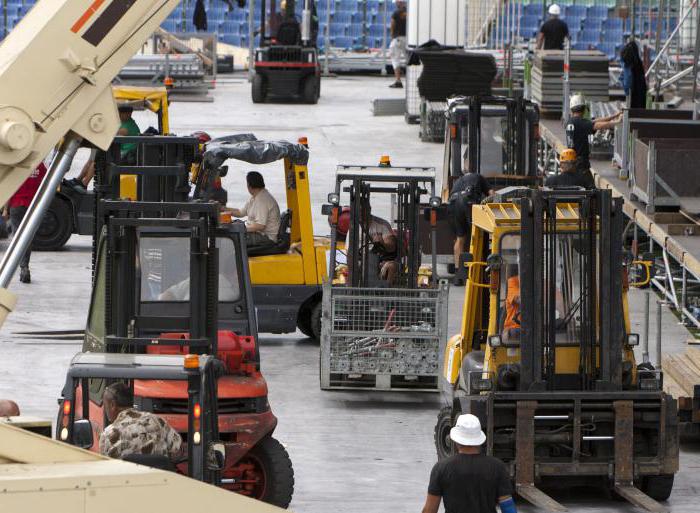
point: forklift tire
(658, 487)
(258, 89)
(312, 87)
(443, 444)
(304, 322)
(316, 311)
(277, 468)
(56, 227)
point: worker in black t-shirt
(469, 482)
(397, 48)
(578, 129)
(553, 31)
(567, 176)
(469, 189)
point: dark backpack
(468, 189)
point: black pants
(583, 169)
(16, 216)
(257, 239)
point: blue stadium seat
(530, 20)
(599, 12)
(346, 5)
(613, 36)
(377, 31)
(532, 10)
(578, 11)
(608, 49)
(589, 36)
(342, 42)
(574, 23)
(342, 17)
(229, 27)
(169, 25)
(581, 46)
(612, 24)
(355, 30)
(231, 39)
(593, 24)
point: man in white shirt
(261, 210)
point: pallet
(379, 382)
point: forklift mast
(595, 251)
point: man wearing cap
(578, 129)
(469, 482)
(567, 176)
(553, 31)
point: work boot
(397, 85)
(24, 275)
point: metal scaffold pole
(251, 40)
(696, 54)
(327, 41)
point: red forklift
(171, 286)
(286, 62)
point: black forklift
(495, 136)
(172, 315)
(286, 62)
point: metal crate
(382, 339)
(413, 102)
(432, 121)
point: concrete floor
(352, 452)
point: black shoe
(24, 275)
(397, 85)
(457, 282)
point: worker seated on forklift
(262, 212)
(135, 432)
(384, 244)
(129, 128)
(511, 326)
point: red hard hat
(202, 136)
(343, 222)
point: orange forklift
(172, 316)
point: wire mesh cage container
(413, 99)
(432, 121)
(382, 338)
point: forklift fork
(525, 459)
(624, 460)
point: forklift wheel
(258, 89)
(312, 87)
(309, 321)
(443, 444)
(658, 487)
(277, 475)
(56, 227)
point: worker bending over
(469, 189)
(132, 431)
(567, 176)
(384, 244)
(553, 31)
(578, 129)
(469, 482)
(262, 212)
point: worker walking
(469, 189)
(17, 208)
(553, 31)
(567, 176)
(397, 48)
(469, 481)
(578, 129)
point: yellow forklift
(545, 354)
(72, 210)
(288, 276)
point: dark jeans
(16, 216)
(257, 239)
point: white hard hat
(468, 431)
(554, 10)
(577, 101)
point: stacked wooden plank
(588, 74)
(682, 375)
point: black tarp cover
(247, 148)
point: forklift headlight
(495, 341)
(633, 339)
(334, 199)
(478, 383)
(434, 202)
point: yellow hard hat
(568, 155)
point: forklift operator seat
(283, 239)
(288, 33)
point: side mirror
(217, 456)
(83, 434)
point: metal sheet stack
(588, 74)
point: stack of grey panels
(588, 74)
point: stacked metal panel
(588, 74)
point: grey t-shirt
(263, 209)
